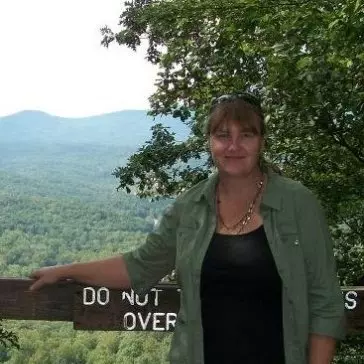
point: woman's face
(235, 150)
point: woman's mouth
(234, 157)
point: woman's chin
(235, 171)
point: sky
(51, 60)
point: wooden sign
(98, 308)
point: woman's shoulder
(294, 190)
(185, 202)
(204, 187)
(289, 184)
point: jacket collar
(271, 198)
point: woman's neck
(235, 187)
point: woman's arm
(111, 273)
(138, 269)
(321, 349)
(325, 301)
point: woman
(252, 252)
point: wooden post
(98, 308)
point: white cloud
(51, 59)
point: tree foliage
(38, 231)
(59, 343)
(304, 59)
(8, 339)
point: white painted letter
(156, 298)
(351, 300)
(133, 320)
(171, 320)
(144, 323)
(107, 296)
(129, 296)
(93, 295)
(141, 303)
(157, 321)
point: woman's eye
(222, 135)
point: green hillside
(58, 204)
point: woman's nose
(235, 142)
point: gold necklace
(246, 217)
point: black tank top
(241, 301)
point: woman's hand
(110, 272)
(46, 275)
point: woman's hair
(244, 108)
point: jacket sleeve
(153, 260)
(325, 299)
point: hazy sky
(51, 59)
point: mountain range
(127, 128)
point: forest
(60, 206)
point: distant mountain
(123, 128)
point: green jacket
(300, 242)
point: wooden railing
(98, 308)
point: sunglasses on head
(247, 97)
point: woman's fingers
(36, 285)
(43, 276)
(35, 274)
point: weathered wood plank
(95, 308)
(354, 304)
(53, 303)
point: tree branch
(354, 230)
(342, 141)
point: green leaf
(357, 6)
(332, 24)
(304, 62)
